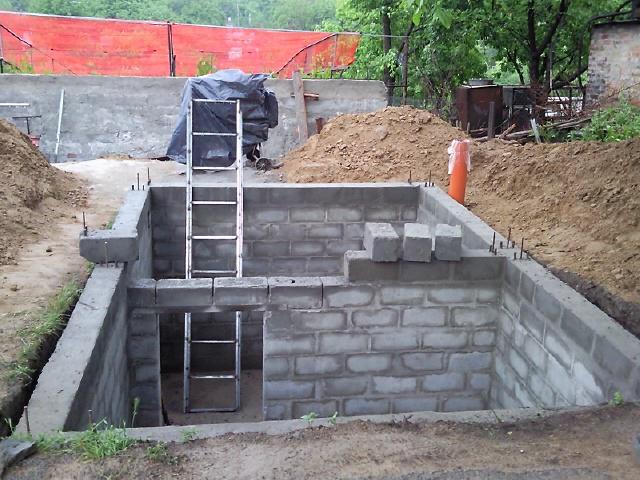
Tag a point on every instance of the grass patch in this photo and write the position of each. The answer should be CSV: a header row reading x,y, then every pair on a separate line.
x,y
41,326
160,453
612,124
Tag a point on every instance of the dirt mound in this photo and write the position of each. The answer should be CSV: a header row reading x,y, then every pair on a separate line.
x,y
377,146
32,192
577,204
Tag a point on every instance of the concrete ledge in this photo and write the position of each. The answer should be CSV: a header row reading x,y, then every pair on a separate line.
x,y
279,427
296,292
248,291
104,246
176,292
141,293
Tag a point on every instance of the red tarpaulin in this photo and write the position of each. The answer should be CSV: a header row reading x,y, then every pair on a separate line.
x,y
90,46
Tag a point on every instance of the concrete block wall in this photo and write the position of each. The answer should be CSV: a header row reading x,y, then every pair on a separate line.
x,y
554,347
135,116
289,229
86,378
384,347
614,62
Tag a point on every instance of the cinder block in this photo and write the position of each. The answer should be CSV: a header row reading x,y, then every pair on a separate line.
x,y
343,342
340,387
449,295
364,406
325,265
141,293
339,295
577,330
478,265
415,404
289,345
325,230
315,321
531,321
277,322
143,324
101,246
296,292
425,317
518,364
558,348
371,362
177,292
461,404
345,214
444,339
306,248
611,358
484,338
321,409
340,247
276,411
424,272
381,242
417,243
275,367
442,382
480,381
470,362
385,317
394,384
246,291
318,365
448,242
278,248
421,361
474,316
402,295
288,390
307,214
382,214
395,341
359,267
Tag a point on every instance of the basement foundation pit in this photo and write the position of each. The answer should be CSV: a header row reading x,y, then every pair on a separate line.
x,y
324,328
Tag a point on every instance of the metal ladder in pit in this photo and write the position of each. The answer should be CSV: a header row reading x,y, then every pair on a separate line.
x,y
190,272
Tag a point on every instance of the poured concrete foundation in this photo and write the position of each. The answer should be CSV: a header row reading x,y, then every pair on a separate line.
x,y
331,329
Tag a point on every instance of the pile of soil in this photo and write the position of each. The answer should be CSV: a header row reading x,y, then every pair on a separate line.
x,y
389,144
33,194
577,204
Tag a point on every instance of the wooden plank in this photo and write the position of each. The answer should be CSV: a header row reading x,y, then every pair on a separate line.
x,y
491,124
301,107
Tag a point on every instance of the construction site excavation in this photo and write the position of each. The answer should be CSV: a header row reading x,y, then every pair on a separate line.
x,y
300,268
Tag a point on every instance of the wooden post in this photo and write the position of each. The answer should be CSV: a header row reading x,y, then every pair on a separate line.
x,y
319,124
491,124
301,108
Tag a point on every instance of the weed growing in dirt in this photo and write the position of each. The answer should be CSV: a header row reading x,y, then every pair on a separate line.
x,y
617,400
309,417
333,419
160,453
189,434
43,325
612,124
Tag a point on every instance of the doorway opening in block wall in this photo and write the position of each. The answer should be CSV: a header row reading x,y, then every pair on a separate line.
x,y
211,359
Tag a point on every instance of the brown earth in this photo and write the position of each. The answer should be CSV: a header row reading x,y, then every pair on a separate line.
x,y
577,204
33,194
591,445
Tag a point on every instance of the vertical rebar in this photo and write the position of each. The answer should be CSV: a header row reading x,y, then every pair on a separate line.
x,y
84,224
521,248
148,176
106,255
509,237
138,175
26,419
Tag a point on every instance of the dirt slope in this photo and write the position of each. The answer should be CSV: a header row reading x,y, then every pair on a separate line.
x,y
33,194
577,204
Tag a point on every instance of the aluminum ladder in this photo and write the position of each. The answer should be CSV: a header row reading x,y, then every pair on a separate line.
x,y
190,272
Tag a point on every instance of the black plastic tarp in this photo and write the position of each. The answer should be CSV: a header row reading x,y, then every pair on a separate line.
x,y
259,113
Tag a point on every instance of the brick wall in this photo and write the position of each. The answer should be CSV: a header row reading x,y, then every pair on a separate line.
x,y
383,347
614,62
289,229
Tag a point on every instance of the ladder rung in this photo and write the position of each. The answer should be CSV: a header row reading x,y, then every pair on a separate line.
x,y
213,202
214,341
213,272
214,169
212,134
211,100
213,377
213,237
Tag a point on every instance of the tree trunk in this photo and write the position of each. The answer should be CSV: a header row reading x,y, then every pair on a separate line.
x,y
386,47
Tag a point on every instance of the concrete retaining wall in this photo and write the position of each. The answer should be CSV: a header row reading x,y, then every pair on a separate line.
x,y
554,347
289,229
390,347
135,116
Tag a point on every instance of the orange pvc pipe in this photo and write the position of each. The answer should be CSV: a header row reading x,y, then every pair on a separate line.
x,y
458,180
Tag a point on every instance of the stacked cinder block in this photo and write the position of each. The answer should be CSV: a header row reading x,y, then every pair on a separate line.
x,y
383,244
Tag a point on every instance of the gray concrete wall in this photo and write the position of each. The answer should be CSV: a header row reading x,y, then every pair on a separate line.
x,y
135,116
289,229
423,342
86,378
554,347
614,62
